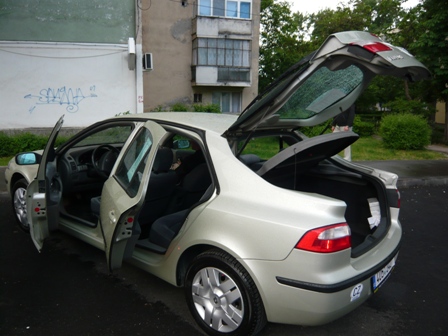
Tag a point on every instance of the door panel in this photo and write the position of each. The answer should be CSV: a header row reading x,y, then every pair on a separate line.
x,y
124,192
44,194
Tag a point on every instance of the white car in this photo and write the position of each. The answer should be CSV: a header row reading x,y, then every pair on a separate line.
x,y
258,222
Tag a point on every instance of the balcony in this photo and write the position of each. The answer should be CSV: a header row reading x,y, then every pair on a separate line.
x,y
220,76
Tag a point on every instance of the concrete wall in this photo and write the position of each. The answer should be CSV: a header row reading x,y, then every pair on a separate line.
x,y
167,34
110,21
66,57
41,81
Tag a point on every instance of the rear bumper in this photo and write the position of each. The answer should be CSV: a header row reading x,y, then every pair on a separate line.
x,y
337,287
313,289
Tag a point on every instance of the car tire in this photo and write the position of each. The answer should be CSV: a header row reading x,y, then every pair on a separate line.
x,y
18,198
222,297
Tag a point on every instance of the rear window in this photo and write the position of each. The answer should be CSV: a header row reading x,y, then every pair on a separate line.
x,y
321,90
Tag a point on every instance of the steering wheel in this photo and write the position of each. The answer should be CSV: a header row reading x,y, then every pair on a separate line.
x,y
103,166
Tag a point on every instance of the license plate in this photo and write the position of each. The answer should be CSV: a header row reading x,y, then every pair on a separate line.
x,y
379,278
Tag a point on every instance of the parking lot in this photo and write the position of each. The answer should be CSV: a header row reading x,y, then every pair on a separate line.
x,y
66,289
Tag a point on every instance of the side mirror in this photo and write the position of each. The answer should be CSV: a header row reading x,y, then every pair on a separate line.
x,y
28,158
181,144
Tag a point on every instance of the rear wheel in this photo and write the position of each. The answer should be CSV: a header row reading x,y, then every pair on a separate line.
x,y
19,204
222,297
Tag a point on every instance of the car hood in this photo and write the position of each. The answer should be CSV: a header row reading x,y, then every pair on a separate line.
x,y
327,82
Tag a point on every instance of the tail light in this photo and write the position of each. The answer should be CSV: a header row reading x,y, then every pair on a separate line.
x,y
327,239
376,47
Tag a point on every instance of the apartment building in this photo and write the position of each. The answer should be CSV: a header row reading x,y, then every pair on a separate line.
x,y
202,51
84,59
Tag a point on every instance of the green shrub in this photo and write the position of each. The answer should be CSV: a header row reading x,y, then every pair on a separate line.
x,y
410,106
179,107
405,131
25,142
6,145
210,108
158,108
363,128
29,142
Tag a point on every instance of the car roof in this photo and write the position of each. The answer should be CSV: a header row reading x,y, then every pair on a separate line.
x,y
214,122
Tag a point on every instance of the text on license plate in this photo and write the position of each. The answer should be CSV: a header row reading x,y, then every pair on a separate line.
x,y
379,278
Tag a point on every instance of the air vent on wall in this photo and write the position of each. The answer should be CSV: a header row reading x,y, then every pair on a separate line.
x,y
147,62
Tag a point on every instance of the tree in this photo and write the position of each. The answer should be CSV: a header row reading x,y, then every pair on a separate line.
x,y
431,46
281,40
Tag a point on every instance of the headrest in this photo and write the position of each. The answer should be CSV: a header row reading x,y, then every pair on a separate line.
x,y
163,160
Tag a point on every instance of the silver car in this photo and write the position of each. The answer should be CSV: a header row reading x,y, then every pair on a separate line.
x,y
255,220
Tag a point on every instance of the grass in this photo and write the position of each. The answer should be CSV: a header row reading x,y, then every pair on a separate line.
x,y
4,161
372,149
365,149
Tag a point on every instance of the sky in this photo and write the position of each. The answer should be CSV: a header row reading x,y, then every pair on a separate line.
x,y
313,6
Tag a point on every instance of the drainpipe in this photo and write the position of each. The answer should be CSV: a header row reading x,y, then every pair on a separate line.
x,y
139,57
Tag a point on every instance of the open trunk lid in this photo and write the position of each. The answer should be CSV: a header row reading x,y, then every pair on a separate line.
x,y
327,82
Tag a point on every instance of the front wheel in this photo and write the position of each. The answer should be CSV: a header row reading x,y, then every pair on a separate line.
x,y
222,297
18,197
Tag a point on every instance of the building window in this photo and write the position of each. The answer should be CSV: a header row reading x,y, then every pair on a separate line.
x,y
233,75
231,56
197,98
225,8
229,102
221,52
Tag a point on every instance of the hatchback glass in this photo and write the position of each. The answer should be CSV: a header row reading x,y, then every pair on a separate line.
x,y
321,90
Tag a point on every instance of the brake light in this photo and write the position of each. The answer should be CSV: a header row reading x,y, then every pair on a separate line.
x,y
376,47
327,239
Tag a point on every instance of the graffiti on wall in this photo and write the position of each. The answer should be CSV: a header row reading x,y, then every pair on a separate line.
x,y
68,97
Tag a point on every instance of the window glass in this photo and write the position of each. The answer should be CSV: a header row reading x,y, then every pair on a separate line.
x,y
221,56
216,98
110,135
225,102
219,7
232,9
245,10
202,56
246,59
130,170
205,7
227,8
228,101
267,147
236,102
321,90
229,57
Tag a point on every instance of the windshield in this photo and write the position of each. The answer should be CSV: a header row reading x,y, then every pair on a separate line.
x,y
321,90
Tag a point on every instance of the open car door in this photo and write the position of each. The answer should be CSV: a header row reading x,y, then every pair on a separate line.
x,y
44,194
124,192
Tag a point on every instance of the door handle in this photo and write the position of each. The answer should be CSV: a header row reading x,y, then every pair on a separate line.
x,y
112,217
